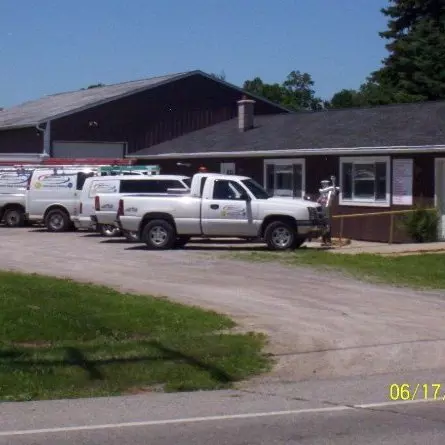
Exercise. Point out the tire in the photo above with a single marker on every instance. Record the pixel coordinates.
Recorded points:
(159, 235)
(14, 217)
(57, 220)
(131, 237)
(280, 236)
(181, 241)
(109, 231)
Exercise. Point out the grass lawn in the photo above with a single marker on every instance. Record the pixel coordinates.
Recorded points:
(424, 271)
(61, 339)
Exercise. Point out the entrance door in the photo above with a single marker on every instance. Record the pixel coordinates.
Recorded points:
(284, 177)
(228, 168)
(440, 195)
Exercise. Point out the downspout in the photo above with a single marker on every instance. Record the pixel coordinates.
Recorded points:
(46, 138)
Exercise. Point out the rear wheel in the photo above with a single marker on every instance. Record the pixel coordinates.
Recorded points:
(159, 234)
(280, 236)
(14, 217)
(57, 220)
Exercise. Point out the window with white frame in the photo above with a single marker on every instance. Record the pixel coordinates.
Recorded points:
(365, 181)
(284, 177)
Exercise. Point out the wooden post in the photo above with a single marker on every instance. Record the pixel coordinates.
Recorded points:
(391, 228)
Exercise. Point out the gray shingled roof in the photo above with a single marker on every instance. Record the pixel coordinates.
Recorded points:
(419, 124)
(36, 111)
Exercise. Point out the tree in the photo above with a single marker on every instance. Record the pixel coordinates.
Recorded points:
(295, 92)
(415, 66)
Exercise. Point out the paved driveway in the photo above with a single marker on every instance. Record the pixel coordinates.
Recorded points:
(319, 325)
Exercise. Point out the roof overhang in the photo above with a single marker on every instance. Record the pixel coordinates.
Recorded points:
(298, 152)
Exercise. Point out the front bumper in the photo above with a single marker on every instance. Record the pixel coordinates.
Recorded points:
(312, 228)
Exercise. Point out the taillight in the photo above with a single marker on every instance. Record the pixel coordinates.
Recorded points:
(80, 208)
(120, 209)
(97, 203)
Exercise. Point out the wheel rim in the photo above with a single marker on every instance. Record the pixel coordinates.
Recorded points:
(12, 218)
(56, 221)
(281, 237)
(158, 235)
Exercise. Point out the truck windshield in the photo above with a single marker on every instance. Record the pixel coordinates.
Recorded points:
(255, 189)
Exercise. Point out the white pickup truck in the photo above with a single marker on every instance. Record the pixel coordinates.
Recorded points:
(220, 206)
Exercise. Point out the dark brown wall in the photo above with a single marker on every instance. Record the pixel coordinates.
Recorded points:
(156, 115)
(23, 140)
(367, 228)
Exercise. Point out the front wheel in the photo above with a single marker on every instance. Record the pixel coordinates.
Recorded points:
(159, 235)
(14, 217)
(57, 221)
(280, 236)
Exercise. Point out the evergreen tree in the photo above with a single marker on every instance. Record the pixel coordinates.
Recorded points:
(415, 67)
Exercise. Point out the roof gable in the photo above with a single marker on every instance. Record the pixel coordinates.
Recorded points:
(54, 106)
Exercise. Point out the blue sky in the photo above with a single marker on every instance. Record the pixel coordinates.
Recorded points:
(55, 45)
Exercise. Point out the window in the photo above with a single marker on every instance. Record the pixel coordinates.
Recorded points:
(284, 177)
(149, 186)
(365, 181)
(255, 189)
(224, 189)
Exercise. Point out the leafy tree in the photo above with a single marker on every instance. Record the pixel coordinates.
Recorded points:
(295, 92)
(415, 66)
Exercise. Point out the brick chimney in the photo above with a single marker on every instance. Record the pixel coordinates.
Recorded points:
(245, 113)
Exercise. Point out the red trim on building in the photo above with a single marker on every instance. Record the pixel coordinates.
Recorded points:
(88, 161)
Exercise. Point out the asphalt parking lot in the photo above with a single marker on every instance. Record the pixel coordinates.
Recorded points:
(320, 325)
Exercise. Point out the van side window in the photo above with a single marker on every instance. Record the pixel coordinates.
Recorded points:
(81, 178)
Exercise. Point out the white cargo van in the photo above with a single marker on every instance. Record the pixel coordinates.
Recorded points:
(101, 214)
(53, 195)
(13, 185)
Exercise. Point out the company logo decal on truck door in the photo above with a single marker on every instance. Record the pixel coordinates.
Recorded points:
(233, 211)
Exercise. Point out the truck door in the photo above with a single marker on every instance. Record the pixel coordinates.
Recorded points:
(226, 212)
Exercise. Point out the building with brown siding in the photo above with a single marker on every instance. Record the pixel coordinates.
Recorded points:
(384, 158)
(117, 120)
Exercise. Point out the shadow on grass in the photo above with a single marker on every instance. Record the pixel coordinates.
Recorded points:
(75, 357)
